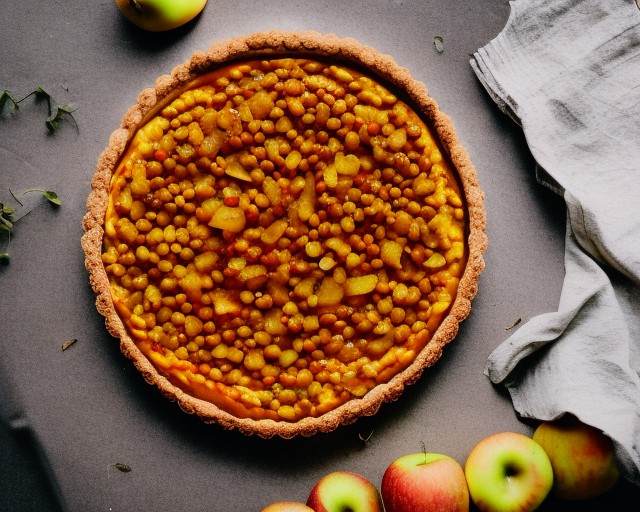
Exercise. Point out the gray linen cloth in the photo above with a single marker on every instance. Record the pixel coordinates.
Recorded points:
(568, 71)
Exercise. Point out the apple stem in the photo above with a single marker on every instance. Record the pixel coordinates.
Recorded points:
(511, 470)
(136, 6)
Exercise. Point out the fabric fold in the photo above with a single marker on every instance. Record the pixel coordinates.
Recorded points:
(568, 72)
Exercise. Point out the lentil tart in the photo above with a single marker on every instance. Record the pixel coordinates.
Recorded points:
(284, 233)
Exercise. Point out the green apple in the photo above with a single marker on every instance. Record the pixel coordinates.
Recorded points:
(425, 482)
(344, 491)
(287, 506)
(582, 458)
(508, 472)
(160, 15)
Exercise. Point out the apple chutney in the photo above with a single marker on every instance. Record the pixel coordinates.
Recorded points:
(281, 236)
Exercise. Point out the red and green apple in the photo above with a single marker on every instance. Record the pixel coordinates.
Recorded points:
(345, 491)
(582, 458)
(425, 482)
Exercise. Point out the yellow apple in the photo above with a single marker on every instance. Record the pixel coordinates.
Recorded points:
(582, 458)
(287, 506)
(508, 472)
(160, 15)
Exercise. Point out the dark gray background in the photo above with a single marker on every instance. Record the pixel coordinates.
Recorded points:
(70, 416)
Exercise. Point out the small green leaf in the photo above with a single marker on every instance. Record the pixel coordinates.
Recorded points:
(4, 258)
(438, 42)
(67, 109)
(5, 224)
(59, 111)
(41, 93)
(52, 124)
(52, 197)
(7, 210)
(7, 99)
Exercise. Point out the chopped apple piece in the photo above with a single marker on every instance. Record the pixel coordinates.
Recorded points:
(273, 233)
(390, 253)
(260, 104)
(304, 288)
(360, 285)
(244, 111)
(272, 190)
(436, 260)
(330, 292)
(347, 165)
(341, 248)
(330, 175)
(206, 262)
(273, 322)
(307, 201)
(235, 169)
(224, 304)
(423, 185)
(327, 263)
(140, 186)
(278, 292)
(228, 218)
(251, 271)
(124, 201)
(211, 144)
(191, 284)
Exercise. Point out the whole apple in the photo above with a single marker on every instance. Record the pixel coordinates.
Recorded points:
(287, 506)
(508, 472)
(344, 491)
(425, 482)
(582, 458)
(160, 15)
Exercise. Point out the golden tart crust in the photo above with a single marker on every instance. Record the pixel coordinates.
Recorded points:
(276, 301)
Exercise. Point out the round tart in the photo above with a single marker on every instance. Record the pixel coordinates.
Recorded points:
(284, 233)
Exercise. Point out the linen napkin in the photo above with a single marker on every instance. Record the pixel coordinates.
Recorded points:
(568, 71)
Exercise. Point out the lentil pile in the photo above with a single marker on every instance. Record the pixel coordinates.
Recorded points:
(282, 237)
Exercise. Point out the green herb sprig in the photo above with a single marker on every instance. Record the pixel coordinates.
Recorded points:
(49, 195)
(7, 213)
(55, 112)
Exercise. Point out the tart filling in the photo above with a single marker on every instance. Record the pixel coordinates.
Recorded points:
(283, 235)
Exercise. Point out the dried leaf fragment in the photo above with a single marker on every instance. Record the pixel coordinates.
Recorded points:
(67, 343)
(120, 466)
(514, 324)
(438, 42)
